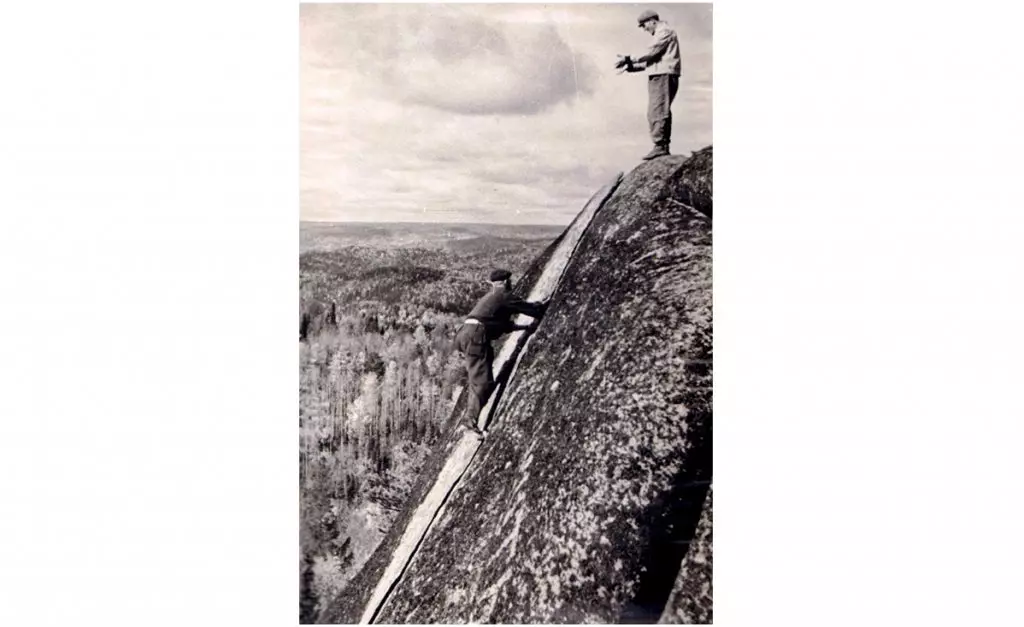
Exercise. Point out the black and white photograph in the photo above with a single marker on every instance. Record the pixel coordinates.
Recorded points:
(505, 323)
(539, 379)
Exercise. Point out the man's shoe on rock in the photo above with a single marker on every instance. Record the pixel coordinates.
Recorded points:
(658, 151)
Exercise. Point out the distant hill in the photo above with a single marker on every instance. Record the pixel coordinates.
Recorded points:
(330, 236)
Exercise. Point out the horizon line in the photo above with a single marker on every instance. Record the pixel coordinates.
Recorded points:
(301, 221)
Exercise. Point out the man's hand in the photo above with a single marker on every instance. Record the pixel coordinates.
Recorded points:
(622, 62)
(533, 324)
(529, 327)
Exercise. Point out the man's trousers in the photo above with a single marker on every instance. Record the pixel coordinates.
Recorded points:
(661, 91)
(471, 340)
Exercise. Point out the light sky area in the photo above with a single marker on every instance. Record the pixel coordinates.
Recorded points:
(508, 114)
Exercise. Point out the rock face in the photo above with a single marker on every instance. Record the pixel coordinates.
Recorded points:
(584, 501)
(690, 601)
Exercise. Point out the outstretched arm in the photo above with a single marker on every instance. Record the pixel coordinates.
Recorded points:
(628, 64)
(534, 310)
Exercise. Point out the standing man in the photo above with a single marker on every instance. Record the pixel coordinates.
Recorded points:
(663, 68)
(490, 319)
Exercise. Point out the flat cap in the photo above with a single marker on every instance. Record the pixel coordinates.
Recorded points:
(500, 275)
(647, 15)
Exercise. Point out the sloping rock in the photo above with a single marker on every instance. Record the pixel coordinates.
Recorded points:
(360, 593)
(690, 601)
(581, 504)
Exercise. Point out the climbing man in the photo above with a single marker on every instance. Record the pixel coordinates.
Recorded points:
(490, 319)
(662, 64)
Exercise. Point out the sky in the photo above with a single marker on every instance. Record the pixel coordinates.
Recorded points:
(501, 113)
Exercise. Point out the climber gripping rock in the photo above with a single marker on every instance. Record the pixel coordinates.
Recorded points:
(662, 65)
(490, 319)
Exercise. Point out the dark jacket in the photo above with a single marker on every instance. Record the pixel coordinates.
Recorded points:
(496, 308)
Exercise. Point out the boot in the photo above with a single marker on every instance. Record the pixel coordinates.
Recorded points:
(660, 150)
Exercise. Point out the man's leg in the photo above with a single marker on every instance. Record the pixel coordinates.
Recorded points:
(488, 371)
(473, 402)
(659, 113)
(672, 86)
(478, 367)
(652, 103)
(472, 396)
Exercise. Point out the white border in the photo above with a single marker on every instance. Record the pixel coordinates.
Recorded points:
(867, 242)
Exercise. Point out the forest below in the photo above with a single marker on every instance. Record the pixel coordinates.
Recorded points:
(378, 383)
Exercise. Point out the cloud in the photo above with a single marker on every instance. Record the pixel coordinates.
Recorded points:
(449, 59)
(525, 70)
(502, 113)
